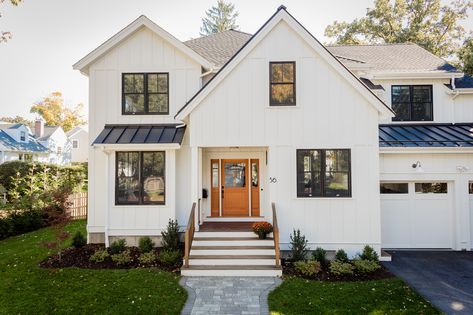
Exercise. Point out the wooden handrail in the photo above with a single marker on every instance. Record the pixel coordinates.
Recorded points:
(189, 235)
(276, 235)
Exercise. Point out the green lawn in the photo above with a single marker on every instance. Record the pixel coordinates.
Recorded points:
(27, 289)
(299, 296)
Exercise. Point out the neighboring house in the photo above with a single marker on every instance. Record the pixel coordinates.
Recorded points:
(354, 145)
(17, 144)
(55, 139)
(79, 139)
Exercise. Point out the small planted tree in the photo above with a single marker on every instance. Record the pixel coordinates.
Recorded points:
(298, 246)
(170, 237)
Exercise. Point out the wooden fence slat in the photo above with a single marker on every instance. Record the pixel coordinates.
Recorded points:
(78, 209)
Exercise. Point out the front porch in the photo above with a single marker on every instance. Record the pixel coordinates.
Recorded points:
(229, 184)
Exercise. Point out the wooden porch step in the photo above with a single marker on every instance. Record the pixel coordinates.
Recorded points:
(234, 267)
(232, 247)
(231, 239)
(232, 257)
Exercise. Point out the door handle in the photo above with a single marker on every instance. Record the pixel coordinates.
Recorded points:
(223, 191)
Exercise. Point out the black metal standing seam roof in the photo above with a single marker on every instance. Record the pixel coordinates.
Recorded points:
(426, 135)
(141, 134)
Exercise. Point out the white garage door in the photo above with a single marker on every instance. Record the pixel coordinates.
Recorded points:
(416, 215)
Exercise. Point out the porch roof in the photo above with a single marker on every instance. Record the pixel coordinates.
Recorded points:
(426, 135)
(141, 134)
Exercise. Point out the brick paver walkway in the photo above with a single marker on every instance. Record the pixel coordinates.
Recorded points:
(226, 295)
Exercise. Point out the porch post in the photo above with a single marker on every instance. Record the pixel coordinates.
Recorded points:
(194, 179)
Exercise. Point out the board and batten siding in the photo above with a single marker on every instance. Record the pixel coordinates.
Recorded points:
(144, 51)
(437, 167)
(330, 113)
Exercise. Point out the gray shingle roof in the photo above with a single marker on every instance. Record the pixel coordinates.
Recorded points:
(393, 57)
(48, 131)
(220, 47)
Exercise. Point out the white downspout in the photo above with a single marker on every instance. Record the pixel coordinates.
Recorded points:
(107, 200)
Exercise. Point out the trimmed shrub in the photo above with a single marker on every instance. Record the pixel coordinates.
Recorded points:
(298, 246)
(79, 240)
(122, 258)
(99, 256)
(307, 268)
(145, 244)
(19, 222)
(170, 257)
(339, 268)
(365, 266)
(341, 255)
(147, 258)
(170, 237)
(369, 254)
(118, 247)
(320, 255)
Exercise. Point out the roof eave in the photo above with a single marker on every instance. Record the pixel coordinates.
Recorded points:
(282, 14)
(416, 75)
(83, 64)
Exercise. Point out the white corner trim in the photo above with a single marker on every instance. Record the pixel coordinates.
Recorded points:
(142, 21)
(283, 15)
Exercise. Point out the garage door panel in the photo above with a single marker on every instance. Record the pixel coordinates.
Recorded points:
(417, 220)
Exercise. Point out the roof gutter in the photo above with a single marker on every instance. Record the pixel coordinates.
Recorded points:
(417, 75)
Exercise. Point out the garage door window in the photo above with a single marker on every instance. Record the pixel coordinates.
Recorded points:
(431, 188)
(394, 188)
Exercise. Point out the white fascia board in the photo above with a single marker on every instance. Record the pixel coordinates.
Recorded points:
(283, 15)
(142, 21)
(426, 150)
(137, 147)
(416, 75)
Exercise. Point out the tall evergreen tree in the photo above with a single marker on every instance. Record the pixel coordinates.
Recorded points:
(219, 18)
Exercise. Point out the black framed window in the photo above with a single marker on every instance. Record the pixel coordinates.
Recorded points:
(394, 188)
(412, 102)
(140, 178)
(431, 188)
(324, 173)
(22, 136)
(145, 93)
(282, 78)
(470, 188)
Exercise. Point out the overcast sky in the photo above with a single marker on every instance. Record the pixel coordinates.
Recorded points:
(51, 35)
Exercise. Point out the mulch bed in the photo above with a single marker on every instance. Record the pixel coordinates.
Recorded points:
(325, 275)
(80, 258)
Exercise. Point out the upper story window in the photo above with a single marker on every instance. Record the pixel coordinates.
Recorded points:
(75, 144)
(59, 150)
(145, 93)
(22, 136)
(282, 83)
(323, 173)
(412, 102)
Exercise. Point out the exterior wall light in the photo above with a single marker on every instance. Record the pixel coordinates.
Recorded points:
(418, 167)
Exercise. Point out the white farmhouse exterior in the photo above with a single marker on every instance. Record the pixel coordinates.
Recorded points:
(18, 144)
(55, 139)
(235, 123)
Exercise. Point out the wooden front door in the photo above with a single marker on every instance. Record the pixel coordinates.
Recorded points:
(234, 182)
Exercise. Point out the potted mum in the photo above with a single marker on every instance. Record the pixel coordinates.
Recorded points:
(262, 229)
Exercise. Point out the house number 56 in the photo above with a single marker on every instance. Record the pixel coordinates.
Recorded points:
(273, 180)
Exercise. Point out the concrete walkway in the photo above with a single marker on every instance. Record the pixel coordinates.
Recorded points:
(444, 278)
(227, 295)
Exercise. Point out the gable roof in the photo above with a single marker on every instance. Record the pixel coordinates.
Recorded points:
(218, 48)
(12, 145)
(280, 15)
(129, 30)
(395, 58)
(75, 130)
(48, 132)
